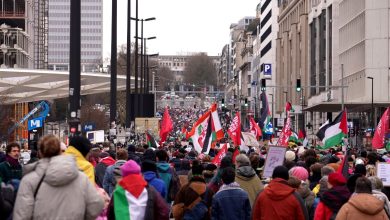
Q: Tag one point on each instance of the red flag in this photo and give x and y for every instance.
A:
(254, 128)
(166, 126)
(288, 106)
(301, 134)
(235, 130)
(221, 154)
(343, 124)
(380, 132)
(286, 132)
(235, 154)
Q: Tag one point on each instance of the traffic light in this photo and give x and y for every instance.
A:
(298, 88)
(223, 102)
(246, 102)
(263, 84)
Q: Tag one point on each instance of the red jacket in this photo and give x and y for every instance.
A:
(279, 201)
(323, 212)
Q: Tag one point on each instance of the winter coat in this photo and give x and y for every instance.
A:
(7, 200)
(231, 202)
(109, 181)
(137, 200)
(381, 196)
(170, 178)
(157, 183)
(134, 156)
(82, 163)
(7, 172)
(248, 180)
(65, 192)
(189, 195)
(100, 169)
(307, 196)
(362, 206)
(330, 202)
(279, 201)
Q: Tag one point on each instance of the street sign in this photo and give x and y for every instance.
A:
(267, 69)
(35, 123)
(89, 127)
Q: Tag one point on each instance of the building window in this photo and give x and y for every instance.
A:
(265, 19)
(266, 33)
(266, 49)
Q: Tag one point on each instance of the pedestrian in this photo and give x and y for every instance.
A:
(168, 175)
(193, 197)
(149, 170)
(54, 188)
(246, 178)
(25, 153)
(360, 170)
(216, 182)
(333, 198)
(231, 202)
(279, 201)
(132, 155)
(110, 180)
(377, 187)
(134, 199)
(362, 204)
(34, 156)
(79, 147)
(10, 169)
(100, 169)
(185, 167)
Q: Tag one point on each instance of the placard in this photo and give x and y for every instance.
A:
(275, 157)
(383, 173)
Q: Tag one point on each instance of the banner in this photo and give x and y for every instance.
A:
(286, 132)
(235, 130)
(275, 157)
(378, 140)
(221, 154)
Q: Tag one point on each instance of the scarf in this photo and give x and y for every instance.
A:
(336, 197)
(14, 163)
(232, 185)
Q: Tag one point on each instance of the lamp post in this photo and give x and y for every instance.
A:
(285, 92)
(272, 104)
(128, 65)
(146, 66)
(372, 102)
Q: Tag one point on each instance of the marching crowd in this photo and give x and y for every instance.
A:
(85, 181)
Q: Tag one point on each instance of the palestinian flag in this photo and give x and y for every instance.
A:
(206, 131)
(265, 116)
(289, 107)
(333, 133)
(127, 196)
(302, 137)
(293, 137)
(151, 141)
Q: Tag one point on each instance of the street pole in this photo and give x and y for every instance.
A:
(303, 114)
(154, 91)
(113, 63)
(128, 65)
(272, 105)
(74, 66)
(372, 102)
(142, 89)
(286, 101)
(136, 50)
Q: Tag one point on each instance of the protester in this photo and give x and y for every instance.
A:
(362, 205)
(168, 175)
(315, 175)
(100, 169)
(110, 179)
(10, 169)
(133, 198)
(246, 178)
(185, 167)
(196, 191)
(33, 156)
(149, 170)
(278, 200)
(216, 181)
(54, 188)
(209, 172)
(377, 187)
(360, 171)
(332, 199)
(132, 155)
(7, 200)
(79, 147)
(303, 189)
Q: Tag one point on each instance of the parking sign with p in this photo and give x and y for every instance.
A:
(267, 69)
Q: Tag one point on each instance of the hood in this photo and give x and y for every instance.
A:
(366, 203)
(163, 167)
(119, 163)
(108, 161)
(74, 152)
(245, 172)
(149, 175)
(59, 170)
(278, 189)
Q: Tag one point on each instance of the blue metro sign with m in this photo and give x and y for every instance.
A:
(267, 69)
(35, 123)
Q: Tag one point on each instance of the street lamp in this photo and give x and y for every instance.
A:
(372, 102)
(147, 81)
(285, 92)
(272, 104)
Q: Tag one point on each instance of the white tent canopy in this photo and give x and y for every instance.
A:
(27, 85)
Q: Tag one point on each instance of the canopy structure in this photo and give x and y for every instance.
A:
(351, 107)
(27, 85)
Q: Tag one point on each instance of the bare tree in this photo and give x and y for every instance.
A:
(164, 77)
(200, 70)
(91, 114)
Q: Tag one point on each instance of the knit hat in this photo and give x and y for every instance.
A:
(280, 172)
(130, 167)
(336, 179)
(299, 172)
(149, 165)
(290, 155)
(82, 144)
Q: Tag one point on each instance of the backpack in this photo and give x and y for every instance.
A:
(199, 211)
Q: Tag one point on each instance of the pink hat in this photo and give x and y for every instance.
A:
(299, 172)
(130, 167)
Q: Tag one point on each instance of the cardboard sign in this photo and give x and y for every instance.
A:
(275, 157)
(383, 173)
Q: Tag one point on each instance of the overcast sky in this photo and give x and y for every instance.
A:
(181, 26)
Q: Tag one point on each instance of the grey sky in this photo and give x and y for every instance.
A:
(181, 26)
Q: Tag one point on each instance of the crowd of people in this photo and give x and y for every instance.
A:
(85, 181)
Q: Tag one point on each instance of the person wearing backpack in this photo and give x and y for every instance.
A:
(230, 202)
(109, 180)
(168, 175)
(193, 201)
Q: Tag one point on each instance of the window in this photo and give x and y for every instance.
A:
(266, 34)
(266, 49)
(266, 18)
